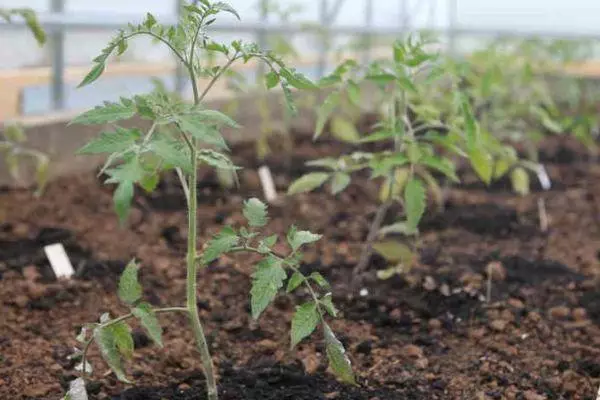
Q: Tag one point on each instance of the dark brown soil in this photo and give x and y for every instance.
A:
(427, 334)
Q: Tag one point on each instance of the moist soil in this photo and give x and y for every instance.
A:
(426, 334)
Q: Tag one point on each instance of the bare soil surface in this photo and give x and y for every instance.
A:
(428, 334)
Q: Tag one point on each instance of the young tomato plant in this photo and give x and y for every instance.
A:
(419, 137)
(181, 138)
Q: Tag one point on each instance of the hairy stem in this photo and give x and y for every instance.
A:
(192, 265)
(367, 250)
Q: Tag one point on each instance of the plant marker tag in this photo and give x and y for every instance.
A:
(59, 261)
(266, 180)
(543, 177)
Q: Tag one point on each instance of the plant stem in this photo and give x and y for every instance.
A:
(367, 250)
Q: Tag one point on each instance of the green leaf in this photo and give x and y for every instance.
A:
(398, 227)
(122, 199)
(308, 182)
(344, 130)
(106, 340)
(520, 181)
(327, 108)
(339, 182)
(414, 202)
(381, 79)
(220, 244)
(147, 317)
(200, 129)
(123, 339)
(93, 75)
(394, 251)
(33, 24)
(255, 212)
(106, 113)
(327, 302)
(214, 117)
(296, 280)
(130, 289)
(271, 80)
(172, 152)
(215, 159)
(353, 91)
(222, 6)
(297, 238)
(378, 136)
(149, 182)
(442, 165)
(319, 280)
(483, 164)
(471, 126)
(296, 79)
(267, 280)
(304, 322)
(111, 142)
(336, 354)
(14, 133)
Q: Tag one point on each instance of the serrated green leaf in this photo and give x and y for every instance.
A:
(172, 152)
(95, 73)
(220, 244)
(327, 108)
(147, 317)
(414, 202)
(344, 130)
(111, 142)
(520, 181)
(299, 238)
(149, 182)
(378, 136)
(483, 164)
(336, 354)
(222, 6)
(255, 212)
(266, 282)
(442, 165)
(339, 182)
(106, 113)
(308, 182)
(304, 322)
(130, 289)
(296, 79)
(107, 343)
(216, 159)
(265, 245)
(123, 339)
(200, 129)
(295, 281)
(327, 302)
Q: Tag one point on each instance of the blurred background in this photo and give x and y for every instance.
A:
(37, 81)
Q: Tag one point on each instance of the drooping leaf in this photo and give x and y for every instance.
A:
(130, 289)
(319, 279)
(111, 142)
(147, 317)
(339, 182)
(33, 24)
(220, 244)
(296, 280)
(520, 181)
(271, 80)
(344, 130)
(122, 198)
(106, 113)
(223, 6)
(442, 165)
(414, 202)
(296, 79)
(297, 238)
(123, 339)
(304, 322)
(267, 280)
(106, 340)
(216, 159)
(338, 360)
(308, 182)
(255, 212)
(329, 105)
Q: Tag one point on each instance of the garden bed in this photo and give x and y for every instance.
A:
(425, 335)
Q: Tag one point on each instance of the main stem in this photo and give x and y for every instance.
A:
(192, 266)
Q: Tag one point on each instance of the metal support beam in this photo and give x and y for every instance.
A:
(368, 37)
(57, 47)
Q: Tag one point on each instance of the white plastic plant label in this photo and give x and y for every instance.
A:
(266, 180)
(59, 261)
(543, 177)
